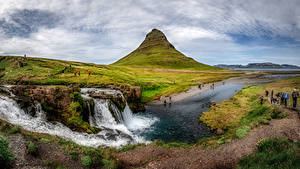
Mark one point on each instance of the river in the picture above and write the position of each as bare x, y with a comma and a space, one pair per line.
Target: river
179, 121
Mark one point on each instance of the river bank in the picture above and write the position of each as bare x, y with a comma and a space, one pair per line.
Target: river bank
247, 79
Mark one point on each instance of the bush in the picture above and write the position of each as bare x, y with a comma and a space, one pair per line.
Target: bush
6, 156
273, 154
31, 148
86, 161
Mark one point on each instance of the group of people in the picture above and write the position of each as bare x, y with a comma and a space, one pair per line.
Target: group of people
212, 86
283, 97
78, 72
200, 86
165, 99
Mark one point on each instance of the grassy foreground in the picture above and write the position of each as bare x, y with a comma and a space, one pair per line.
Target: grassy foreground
273, 154
57, 72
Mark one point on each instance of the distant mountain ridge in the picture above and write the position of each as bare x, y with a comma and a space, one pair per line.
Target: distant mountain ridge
157, 52
266, 65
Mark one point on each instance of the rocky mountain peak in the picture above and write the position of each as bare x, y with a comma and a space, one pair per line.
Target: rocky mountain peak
155, 38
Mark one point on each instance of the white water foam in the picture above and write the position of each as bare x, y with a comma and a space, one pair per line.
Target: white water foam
113, 134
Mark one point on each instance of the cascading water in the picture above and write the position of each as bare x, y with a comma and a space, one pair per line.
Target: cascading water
116, 131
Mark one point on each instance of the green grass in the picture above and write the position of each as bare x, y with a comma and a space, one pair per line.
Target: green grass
273, 154
74, 155
6, 155
162, 57
153, 82
130, 147
32, 148
86, 161
242, 131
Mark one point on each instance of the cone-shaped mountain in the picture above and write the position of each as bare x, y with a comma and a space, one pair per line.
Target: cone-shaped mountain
157, 52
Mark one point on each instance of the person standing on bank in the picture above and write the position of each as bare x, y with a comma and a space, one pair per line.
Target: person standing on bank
286, 98
267, 93
295, 95
272, 93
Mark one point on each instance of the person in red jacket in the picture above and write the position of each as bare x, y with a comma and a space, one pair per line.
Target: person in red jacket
89, 72
78, 72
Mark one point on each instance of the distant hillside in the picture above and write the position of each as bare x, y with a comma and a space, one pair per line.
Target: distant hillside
266, 65
157, 52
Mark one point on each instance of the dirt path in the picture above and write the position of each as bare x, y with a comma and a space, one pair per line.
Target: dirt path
223, 157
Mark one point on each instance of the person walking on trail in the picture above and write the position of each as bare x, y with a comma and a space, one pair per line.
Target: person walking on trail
24, 55
170, 99
89, 72
158, 97
295, 95
267, 93
75, 73
286, 98
78, 72
199, 86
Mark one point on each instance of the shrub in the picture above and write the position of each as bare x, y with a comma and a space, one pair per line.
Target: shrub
86, 161
31, 148
242, 131
6, 156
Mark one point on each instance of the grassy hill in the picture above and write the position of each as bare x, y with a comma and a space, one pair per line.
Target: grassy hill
18, 70
157, 52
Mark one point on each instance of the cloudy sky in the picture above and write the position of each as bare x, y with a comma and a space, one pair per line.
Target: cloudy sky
103, 31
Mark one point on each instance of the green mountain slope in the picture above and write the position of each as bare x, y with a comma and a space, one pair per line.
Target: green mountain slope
157, 52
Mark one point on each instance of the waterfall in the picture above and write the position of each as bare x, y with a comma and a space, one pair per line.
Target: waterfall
118, 128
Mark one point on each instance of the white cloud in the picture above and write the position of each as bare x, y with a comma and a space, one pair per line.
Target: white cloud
103, 31
183, 34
